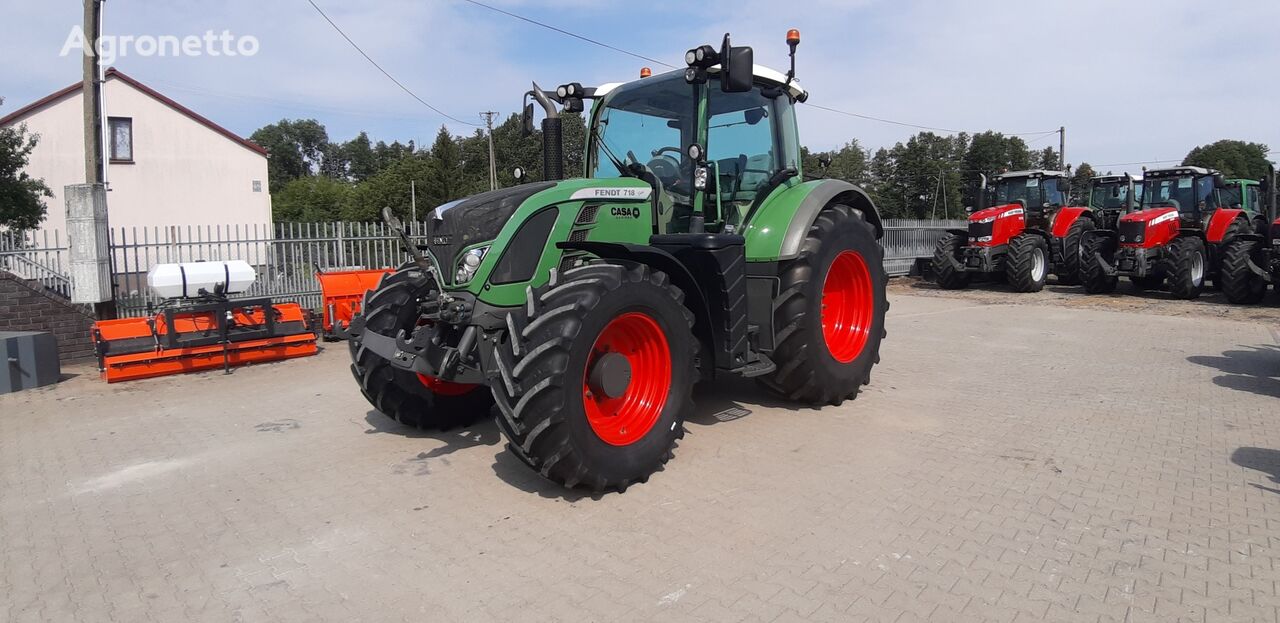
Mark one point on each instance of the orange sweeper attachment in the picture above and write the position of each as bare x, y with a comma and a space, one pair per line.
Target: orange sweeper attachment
199, 328
342, 294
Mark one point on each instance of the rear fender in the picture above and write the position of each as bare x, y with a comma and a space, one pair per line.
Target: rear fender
1221, 221
798, 207
1067, 217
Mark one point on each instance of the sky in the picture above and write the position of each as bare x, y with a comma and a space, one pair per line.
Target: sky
1131, 80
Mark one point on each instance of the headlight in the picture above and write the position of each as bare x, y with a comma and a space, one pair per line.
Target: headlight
989, 219
469, 263
700, 178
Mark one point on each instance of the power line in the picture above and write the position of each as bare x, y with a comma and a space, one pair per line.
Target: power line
654, 60
385, 72
565, 32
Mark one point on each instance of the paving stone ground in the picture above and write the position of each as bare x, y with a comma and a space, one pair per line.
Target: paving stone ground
1009, 463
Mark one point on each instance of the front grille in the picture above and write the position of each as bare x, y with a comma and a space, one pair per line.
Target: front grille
1131, 231
587, 215
979, 230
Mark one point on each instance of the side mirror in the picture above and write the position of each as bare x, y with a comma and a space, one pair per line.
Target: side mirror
526, 120
1219, 181
518, 173
754, 115
824, 160
737, 67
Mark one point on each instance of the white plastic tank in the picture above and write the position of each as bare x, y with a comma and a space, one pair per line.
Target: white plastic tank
186, 280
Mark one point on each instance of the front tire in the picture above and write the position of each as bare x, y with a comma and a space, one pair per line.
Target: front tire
1186, 279
596, 376
1092, 275
408, 398
945, 254
829, 316
1239, 283
1027, 265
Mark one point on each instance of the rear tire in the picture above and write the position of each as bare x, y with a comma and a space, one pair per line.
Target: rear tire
1027, 264
1069, 274
945, 273
1094, 279
1239, 284
1186, 279
553, 419
399, 394
830, 313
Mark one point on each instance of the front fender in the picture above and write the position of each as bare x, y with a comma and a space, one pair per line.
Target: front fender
1066, 217
695, 298
782, 222
1220, 222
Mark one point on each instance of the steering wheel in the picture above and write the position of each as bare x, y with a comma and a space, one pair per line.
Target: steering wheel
662, 150
665, 168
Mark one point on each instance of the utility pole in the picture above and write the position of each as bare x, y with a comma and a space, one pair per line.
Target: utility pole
94, 167
413, 201
1062, 147
493, 164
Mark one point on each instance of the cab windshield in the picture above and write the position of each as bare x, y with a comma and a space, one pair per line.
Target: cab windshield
1109, 196
1186, 193
647, 122
1031, 191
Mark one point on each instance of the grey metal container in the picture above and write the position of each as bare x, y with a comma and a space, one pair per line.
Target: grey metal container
28, 359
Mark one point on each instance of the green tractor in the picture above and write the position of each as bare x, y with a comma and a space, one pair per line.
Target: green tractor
583, 311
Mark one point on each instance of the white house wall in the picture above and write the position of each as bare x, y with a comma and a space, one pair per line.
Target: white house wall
184, 173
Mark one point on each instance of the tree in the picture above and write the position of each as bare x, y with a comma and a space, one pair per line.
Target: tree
311, 199
21, 196
1080, 183
389, 188
1233, 158
849, 163
362, 162
1048, 159
297, 149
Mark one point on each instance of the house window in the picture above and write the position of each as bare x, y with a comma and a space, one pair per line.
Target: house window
121, 138
257, 186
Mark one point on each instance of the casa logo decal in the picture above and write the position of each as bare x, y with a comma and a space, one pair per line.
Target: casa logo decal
613, 194
625, 211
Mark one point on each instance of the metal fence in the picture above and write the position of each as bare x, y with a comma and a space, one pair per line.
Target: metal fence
907, 240
287, 255
39, 256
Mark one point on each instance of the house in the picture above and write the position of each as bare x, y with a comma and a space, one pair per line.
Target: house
168, 165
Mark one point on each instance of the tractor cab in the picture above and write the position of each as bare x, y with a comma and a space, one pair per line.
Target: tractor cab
1194, 192
1112, 196
707, 151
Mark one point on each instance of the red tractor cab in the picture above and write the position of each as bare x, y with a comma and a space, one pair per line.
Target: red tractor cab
1252, 261
1028, 232
1178, 234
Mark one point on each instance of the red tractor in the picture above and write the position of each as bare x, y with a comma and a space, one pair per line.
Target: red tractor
1251, 261
1178, 235
1029, 232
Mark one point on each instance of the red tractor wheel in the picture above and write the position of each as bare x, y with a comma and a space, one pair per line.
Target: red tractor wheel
829, 317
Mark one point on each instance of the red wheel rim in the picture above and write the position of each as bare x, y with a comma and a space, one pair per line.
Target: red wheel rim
445, 388
848, 306
626, 419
